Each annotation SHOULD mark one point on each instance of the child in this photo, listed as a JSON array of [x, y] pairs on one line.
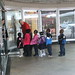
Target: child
[[49, 44], [62, 42], [34, 42], [19, 41], [26, 43], [42, 44]]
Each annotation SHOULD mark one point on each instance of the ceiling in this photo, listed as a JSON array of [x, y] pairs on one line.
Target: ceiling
[[44, 1]]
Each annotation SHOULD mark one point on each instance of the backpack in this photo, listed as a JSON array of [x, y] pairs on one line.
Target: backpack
[[48, 40], [42, 43], [42, 40], [64, 39]]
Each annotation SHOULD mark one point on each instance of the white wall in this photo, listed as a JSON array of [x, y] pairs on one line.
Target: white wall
[[36, 5]]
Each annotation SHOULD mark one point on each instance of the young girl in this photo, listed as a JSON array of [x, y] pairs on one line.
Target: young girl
[[42, 44], [19, 41], [34, 42], [26, 43], [49, 43], [62, 42]]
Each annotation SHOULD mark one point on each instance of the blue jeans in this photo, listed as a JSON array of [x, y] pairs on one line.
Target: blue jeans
[[49, 48], [62, 49]]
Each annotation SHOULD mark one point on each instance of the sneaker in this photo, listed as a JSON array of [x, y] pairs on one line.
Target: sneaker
[[44, 54], [50, 56], [41, 56]]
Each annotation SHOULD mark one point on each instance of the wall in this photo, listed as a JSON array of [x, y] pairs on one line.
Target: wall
[[36, 5]]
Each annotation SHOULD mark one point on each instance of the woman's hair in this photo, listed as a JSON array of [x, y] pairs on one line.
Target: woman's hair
[[35, 31], [28, 31], [48, 30], [61, 31]]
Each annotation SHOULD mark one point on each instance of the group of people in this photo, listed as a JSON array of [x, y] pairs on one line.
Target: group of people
[[39, 42]]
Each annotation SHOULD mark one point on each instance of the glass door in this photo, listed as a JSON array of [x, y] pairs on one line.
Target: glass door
[[13, 27]]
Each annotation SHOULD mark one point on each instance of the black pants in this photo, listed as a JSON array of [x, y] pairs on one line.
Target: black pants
[[27, 50], [36, 49]]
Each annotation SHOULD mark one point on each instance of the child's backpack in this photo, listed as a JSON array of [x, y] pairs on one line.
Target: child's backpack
[[48, 40], [42, 43], [42, 40]]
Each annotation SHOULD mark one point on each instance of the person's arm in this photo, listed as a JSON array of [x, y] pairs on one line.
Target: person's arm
[[36, 38], [51, 35]]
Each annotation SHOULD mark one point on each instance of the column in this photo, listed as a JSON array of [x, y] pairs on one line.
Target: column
[[22, 14], [39, 21], [57, 23]]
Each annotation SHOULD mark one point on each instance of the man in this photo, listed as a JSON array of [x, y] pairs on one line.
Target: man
[[24, 26]]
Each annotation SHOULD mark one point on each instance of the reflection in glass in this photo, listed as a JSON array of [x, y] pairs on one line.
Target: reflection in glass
[[49, 21], [67, 23], [13, 25]]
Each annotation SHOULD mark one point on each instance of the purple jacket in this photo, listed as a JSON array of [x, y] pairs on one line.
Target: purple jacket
[[34, 40]]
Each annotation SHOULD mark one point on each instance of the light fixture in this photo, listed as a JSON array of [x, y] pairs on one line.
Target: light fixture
[[51, 15]]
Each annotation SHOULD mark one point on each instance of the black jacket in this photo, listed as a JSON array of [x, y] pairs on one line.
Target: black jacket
[[61, 37]]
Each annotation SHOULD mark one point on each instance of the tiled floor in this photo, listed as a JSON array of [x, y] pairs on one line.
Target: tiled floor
[[46, 66]]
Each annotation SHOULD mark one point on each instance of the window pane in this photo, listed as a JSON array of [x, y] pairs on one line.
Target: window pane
[[31, 17], [67, 23], [49, 21], [13, 25]]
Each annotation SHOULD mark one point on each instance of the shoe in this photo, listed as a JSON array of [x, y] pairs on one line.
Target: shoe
[[41, 56], [40, 53], [35, 55], [63, 54], [50, 56], [59, 55], [44, 54]]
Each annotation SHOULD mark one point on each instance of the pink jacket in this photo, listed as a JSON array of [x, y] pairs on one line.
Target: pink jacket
[[26, 40], [34, 40]]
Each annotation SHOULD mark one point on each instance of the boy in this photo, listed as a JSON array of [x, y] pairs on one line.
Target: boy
[[62, 42], [49, 44]]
